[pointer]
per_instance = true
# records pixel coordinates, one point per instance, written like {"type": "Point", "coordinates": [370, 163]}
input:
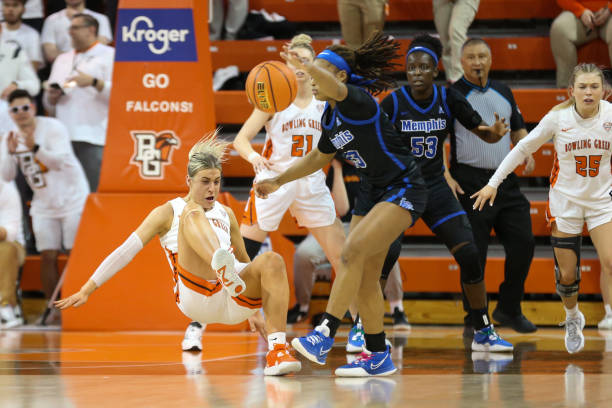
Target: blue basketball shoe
{"type": "Point", "coordinates": [355, 342]}
{"type": "Point", "coordinates": [486, 339]}
{"type": "Point", "coordinates": [314, 346]}
{"type": "Point", "coordinates": [369, 365]}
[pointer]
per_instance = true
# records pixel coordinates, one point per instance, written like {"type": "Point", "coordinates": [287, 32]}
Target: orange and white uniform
{"type": "Point", "coordinates": [203, 300]}
{"type": "Point", "coordinates": [290, 135]}
{"type": "Point", "coordinates": [581, 178]}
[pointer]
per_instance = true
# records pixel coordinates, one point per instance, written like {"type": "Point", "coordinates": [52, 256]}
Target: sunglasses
{"type": "Point", "coordinates": [23, 108]}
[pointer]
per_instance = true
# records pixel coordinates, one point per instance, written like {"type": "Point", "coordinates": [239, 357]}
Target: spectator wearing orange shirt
{"type": "Point", "coordinates": [580, 22]}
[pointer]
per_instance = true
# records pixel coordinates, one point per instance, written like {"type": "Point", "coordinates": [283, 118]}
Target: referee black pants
{"type": "Point", "coordinates": [510, 219]}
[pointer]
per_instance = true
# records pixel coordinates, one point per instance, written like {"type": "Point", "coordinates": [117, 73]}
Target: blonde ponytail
{"type": "Point", "coordinates": [207, 153]}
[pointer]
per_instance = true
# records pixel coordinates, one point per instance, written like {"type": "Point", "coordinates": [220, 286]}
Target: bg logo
{"type": "Point", "coordinates": [153, 151]}
{"type": "Point", "coordinates": [156, 35]}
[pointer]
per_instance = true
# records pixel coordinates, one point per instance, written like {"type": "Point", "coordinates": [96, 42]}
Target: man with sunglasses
{"type": "Point", "coordinates": [15, 72]}
{"type": "Point", "coordinates": [41, 148]}
{"type": "Point", "coordinates": [78, 93]}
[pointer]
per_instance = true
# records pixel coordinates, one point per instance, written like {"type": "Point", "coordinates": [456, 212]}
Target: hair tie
{"type": "Point", "coordinates": [336, 60]}
{"type": "Point", "coordinates": [425, 50]}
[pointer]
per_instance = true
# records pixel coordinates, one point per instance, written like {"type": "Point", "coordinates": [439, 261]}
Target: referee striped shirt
{"type": "Point", "coordinates": [495, 97]}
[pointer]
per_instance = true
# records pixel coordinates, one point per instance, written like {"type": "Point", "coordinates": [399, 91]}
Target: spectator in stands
{"type": "Point", "coordinates": [452, 19]}
{"type": "Point", "coordinates": [309, 260]}
{"type": "Point", "coordinates": [12, 253]}
{"type": "Point", "coordinates": [82, 78]}
{"type": "Point", "coordinates": [33, 14]}
{"type": "Point", "coordinates": [582, 21]}
{"type": "Point", "coordinates": [41, 148]}
{"type": "Point", "coordinates": [56, 35]}
{"type": "Point", "coordinates": [474, 161]}
{"type": "Point", "coordinates": [237, 11]}
{"type": "Point", "coordinates": [359, 19]}
{"type": "Point", "coordinates": [15, 72]}
{"type": "Point", "coordinates": [13, 30]}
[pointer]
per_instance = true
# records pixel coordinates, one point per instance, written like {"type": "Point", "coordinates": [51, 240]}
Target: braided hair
{"type": "Point", "coordinates": [427, 41]}
{"type": "Point", "coordinates": [372, 61]}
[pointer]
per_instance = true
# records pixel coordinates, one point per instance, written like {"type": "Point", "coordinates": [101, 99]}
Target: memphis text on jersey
{"type": "Point", "coordinates": [587, 144]}
{"type": "Point", "coordinates": [426, 126]}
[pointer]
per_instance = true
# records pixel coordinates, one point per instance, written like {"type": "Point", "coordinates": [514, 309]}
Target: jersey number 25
{"type": "Point", "coordinates": [592, 170]}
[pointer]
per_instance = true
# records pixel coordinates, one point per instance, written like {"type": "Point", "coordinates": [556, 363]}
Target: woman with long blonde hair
{"type": "Point", "coordinates": [211, 285]}
{"type": "Point", "coordinates": [580, 186]}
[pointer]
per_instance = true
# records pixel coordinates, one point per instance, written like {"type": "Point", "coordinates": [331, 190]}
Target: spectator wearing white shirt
{"type": "Point", "coordinates": [23, 35]}
{"type": "Point", "coordinates": [41, 148]}
{"type": "Point", "coordinates": [55, 33]}
{"type": "Point", "coordinates": [79, 91]}
{"type": "Point", "coordinates": [15, 72]}
{"type": "Point", "coordinates": [12, 253]}
{"type": "Point", "coordinates": [34, 13]}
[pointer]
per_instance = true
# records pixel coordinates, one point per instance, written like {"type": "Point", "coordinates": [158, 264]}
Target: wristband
{"type": "Point", "coordinates": [252, 156]}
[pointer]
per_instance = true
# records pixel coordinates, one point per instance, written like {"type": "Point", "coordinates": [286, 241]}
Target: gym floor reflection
{"type": "Point", "coordinates": [436, 369]}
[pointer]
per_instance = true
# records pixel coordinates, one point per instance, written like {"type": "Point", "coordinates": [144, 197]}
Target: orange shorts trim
{"type": "Point", "coordinates": [206, 288]}
{"type": "Point", "coordinates": [197, 284]}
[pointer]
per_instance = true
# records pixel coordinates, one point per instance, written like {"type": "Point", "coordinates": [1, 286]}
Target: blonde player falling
{"type": "Point", "coordinates": [580, 186]}
{"type": "Point", "coordinates": [213, 286]}
{"type": "Point", "coordinates": [290, 135]}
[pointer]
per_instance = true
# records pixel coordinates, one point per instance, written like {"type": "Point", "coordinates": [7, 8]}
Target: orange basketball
{"type": "Point", "coordinates": [271, 86]}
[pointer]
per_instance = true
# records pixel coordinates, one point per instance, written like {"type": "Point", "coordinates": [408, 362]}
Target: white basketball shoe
{"type": "Point", "coordinates": [223, 265]}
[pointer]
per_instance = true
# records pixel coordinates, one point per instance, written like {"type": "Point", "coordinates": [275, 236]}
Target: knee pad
{"type": "Point", "coordinates": [469, 263]}
{"type": "Point", "coordinates": [392, 256]}
{"type": "Point", "coordinates": [573, 243]}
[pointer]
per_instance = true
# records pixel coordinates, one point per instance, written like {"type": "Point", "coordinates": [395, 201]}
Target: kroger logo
{"type": "Point", "coordinates": [156, 35]}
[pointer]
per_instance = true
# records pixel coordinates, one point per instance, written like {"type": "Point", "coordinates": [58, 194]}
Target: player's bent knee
{"type": "Point", "coordinates": [271, 261]}
{"type": "Point", "coordinates": [469, 264]}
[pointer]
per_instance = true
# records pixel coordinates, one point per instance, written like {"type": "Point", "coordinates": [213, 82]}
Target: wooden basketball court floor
{"type": "Point", "coordinates": [148, 369]}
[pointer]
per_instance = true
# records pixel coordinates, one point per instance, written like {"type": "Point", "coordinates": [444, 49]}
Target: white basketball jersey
{"type": "Point", "coordinates": [583, 150]}
{"type": "Point", "coordinates": [292, 133]}
{"type": "Point", "coordinates": [169, 241]}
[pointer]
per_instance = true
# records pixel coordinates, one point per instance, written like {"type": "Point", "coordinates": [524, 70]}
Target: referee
{"type": "Point", "coordinates": [473, 162]}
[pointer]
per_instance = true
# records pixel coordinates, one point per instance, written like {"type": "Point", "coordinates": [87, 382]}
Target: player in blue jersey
{"type": "Point", "coordinates": [392, 197]}
{"type": "Point", "coordinates": [423, 113]}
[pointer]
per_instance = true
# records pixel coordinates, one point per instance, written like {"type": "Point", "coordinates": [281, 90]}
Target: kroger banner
{"type": "Point", "coordinates": [156, 35]}
{"type": "Point", "coordinates": [161, 95]}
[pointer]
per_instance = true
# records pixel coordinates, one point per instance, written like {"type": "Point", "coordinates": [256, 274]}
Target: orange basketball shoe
{"type": "Point", "coordinates": [280, 361]}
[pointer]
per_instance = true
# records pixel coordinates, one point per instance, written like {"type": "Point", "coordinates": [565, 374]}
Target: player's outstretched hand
{"type": "Point", "coordinates": [292, 57]}
{"type": "Point", "coordinates": [498, 129]}
{"type": "Point", "coordinates": [257, 324]}
{"type": "Point", "coordinates": [487, 193]}
{"type": "Point", "coordinates": [76, 300]}
{"type": "Point", "coordinates": [265, 187]}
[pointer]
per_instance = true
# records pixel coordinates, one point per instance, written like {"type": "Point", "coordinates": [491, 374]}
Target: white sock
{"type": "Point", "coordinates": [608, 310]}
{"type": "Point", "coordinates": [396, 303]}
{"type": "Point", "coordinates": [304, 308]}
{"type": "Point", "coordinates": [324, 330]}
{"type": "Point", "coordinates": [571, 313]}
{"type": "Point", "coordinates": [276, 338]}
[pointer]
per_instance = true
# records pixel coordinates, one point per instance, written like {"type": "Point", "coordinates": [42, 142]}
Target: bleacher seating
{"type": "Point", "coordinates": [409, 10]}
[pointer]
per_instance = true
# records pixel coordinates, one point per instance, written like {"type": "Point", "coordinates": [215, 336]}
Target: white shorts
{"type": "Point", "coordinates": [207, 302]}
{"type": "Point", "coordinates": [308, 199]}
{"type": "Point", "coordinates": [570, 216]}
{"type": "Point", "coordinates": [54, 233]}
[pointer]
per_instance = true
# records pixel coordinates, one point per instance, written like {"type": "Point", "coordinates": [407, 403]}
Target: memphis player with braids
{"type": "Point", "coordinates": [580, 186]}
{"type": "Point", "coordinates": [423, 113]}
{"type": "Point", "coordinates": [391, 198]}
{"type": "Point", "coordinates": [211, 284]}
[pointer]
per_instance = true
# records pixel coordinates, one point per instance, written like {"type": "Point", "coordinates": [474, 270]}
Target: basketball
{"type": "Point", "coordinates": [271, 86]}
